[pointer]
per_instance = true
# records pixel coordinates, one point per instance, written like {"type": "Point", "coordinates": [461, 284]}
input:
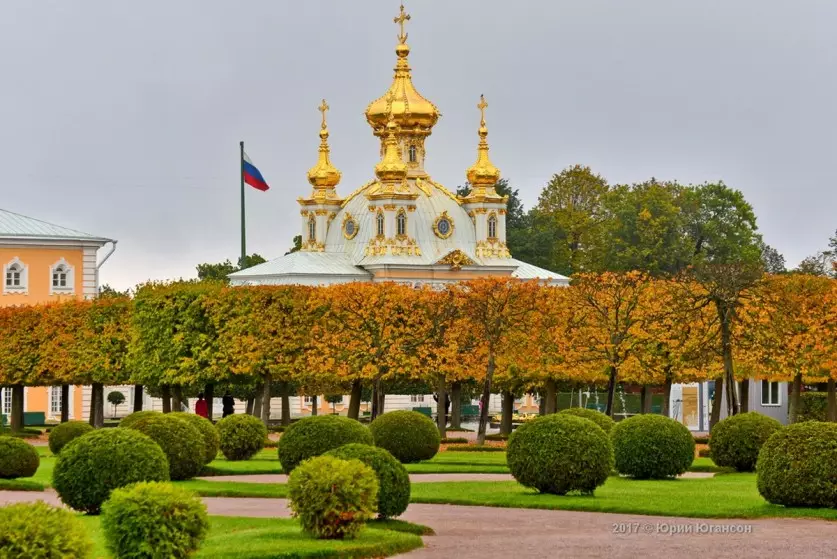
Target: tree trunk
{"type": "Point", "coordinates": [286, 403]}
{"type": "Point", "coordinates": [725, 315]}
{"type": "Point", "coordinates": [314, 410]}
{"type": "Point", "coordinates": [456, 405]}
{"type": "Point", "coordinates": [744, 393]}
{"type": "Point", "coordinates": [508, 411]}
{"type": "Point", "coordinates": [611, 391]}
{"type": "Point", "coordinates": [209, 395]}
{"type": "Point", "coordinates": [65, 403]}
{"type": "Point", "coordinates": [251, 403]}
{"type": "Point", "coordinates": [667, 393]}
{"type": "Point", "coordinates": [178, 403]}
{"type": "Point", "coordinates": [16, 420]}
{"type": "Point", "coordinates": [542, 405]}
{"type": "Point", "coordinates": [166, 394]}
{"type": "Point", "coordinates": [265, 417]}
{"type": "Point", "coordinates": [441, 408]}
{"type": "Point", "coordinates": [138, 394]}
{"type": "Point", "coordinates": [551, 405]}
{"type": "Point", "coordinates": [354, 400]}
{"type": "Point", "coordinates": [796, 389]}
{"type": "Point", "coordinates": [257, 401]}
{"type": "Point", "coordinates": [382, 399]}
{"type": "Point", "coordinates": [715, 417]}
{"type": "Point", "coordinates": [97, 404]}
{"type": "Point", "coordinates": [486, 396]}
{"type": "Point", "coordinates": [645, 399]}
{"type": "Point", "coordinates": [831, 410]}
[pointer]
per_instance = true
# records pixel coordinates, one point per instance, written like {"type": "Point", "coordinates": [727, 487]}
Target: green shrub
{"type": "Point", "coordinates": [209, 434]}
{"type": "Point", "coordinates": [181, 442]}
{"type": "Point", "coordinates": [652, 447]}
{"type": "Point", "coordinates": [312, 436]}
{"type": "Point", "coordinates": [813, 406]}
{"type": "Point", "coordinates": [393, 479]}
{"type": "Point", "coordinates": [408, 435]}
{"type": "Point", "coordinates": [502, 437]}
{"type": "Point", "coordinates": [93, 465]}
{"type": "Point", "coordinates": [797, 465]}
{"type": "Point", "coordinates": [333, 498]}
{"type": "Point", "coordinates": [602, 420]}
{"type": "Point", "coordinates": [476, 448]}
{"type": "Point", "coordinates": [454, 440]}
{"type": "Point", "coordinates": [17, 458]}
{"type": "Point", "coordinates": [736, 441]}
{"type": "Point", "coordinates": [39, 530]}
{"type": "Point", "coordinates": [705, 453]}
{"type": "Point", "coordinates": [150, 520]}
{"type": "Point", "coordinates": [701, 439]}
{"type": "Point", "coordinates": [242, 436]}
{"type": "Point", "coordinates": [63, 433]}
{"type": "Point", "coordinates": [129, 420]}
{"type": "Point", "coordinates": [560, 453]}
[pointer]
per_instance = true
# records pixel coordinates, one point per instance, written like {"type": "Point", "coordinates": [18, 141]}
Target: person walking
{"type": "Point", "coordinates": [228, 404]}
{"type": "Point", "coordinates": [201, 407]}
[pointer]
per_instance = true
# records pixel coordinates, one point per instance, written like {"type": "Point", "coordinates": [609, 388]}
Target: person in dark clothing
{"type": "Point", "coordinates": [228, 404]}
{"type": "Point", "coordinates": [447, 405]}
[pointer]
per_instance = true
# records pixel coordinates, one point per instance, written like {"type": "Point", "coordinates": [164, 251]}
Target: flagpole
{"type": "Point", "coordinates": [243, 227]}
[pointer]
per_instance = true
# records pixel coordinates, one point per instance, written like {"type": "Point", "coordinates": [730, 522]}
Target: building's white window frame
{"type": "Point", "coordinates": [308, 400]}
{"type": "Point", "coordinates": [401, 223]}
{"type": "Point", "coordinates": [62, 267]}
{"type": "Point", "coordinates": [412, 154]}
{"type": "Point", "coordinates": [55, 411]}
{"type": "Point", "coordinates": [417, 398]}
{"type": "Point", "coordinates": [767, 393]}
{"type": "Point", "coordinates": [20, 268]}
{"type": "Point", "coordinates": [6, 400]}
{"type": "Point", "coordinates": [380, 225]}
{"type": "Point", "coordinates": [492, 226]}
{"type": "Point", "coordinates": [312, 229]}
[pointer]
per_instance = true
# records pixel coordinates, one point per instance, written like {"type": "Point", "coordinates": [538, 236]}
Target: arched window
{"type": "Point", "coordinates": [14, 276]}
{"type": "Point", "coordinates": [492, 226]}
{"type": "Point", "coordinates": [401, 223]}
{"type": "Point", "coordinates": [412, 154]}
{"type": "Point", "coordinates": [379, 220]}
{"type": "Point", "coordinates": [59, 276]}
{"type": "Point", "coordinates": [312, 229]}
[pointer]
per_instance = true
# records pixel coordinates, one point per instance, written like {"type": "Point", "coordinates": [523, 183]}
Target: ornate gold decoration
{"type": "Point", "coordinates": [483, 175]}
{"type": "Point", "coordinates": [320, 212]}
{"type": "Point", "coordinates": [312, 246]}
{"type": "Point", "coordinates": [456, 259]}
{"type": "Point", "coordinates": [492, 249]}
{"type": "Point", "coordinates": [346, 219]}
{"type": "Point", "coordinates": [420, 184]}
{"type": "Point", "coordinates": [402, 17]}
{"type": "Point", "coordinates": [358, 191]}
{"type": "Point", "coordinates": [440, 217]}
{"type": "Point", "coordinates": [390, 207]}
{"type": "Point", "coordinates": [379, 246]}
{"type": "Point", "coordinates": [323, 176]}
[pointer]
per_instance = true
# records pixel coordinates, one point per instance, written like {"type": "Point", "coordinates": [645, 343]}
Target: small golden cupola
{"type": "Point", "coordinates": [482, 175]}
{"type": "Point", "coordinates": [391, 170]}
{"type": "Point", "coordinates": [324, 176]}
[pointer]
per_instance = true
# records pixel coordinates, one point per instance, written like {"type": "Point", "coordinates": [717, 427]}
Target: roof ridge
{"type": "Point", "coordinates": [68, 230]}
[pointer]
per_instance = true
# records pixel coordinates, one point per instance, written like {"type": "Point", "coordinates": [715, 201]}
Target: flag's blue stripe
{"type": "Point", "coordinates": [250, 169]}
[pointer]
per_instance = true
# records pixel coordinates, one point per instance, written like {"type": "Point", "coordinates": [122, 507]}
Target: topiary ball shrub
{"type": "Point", "coordinates": [151, 519]}
{"type": "Point", "coordinates": [209, 434]}
{"type": "Point", "coordinates": [17, 458]}
{"type": "Point", "coordinates": [63, 433]}
{"type": "Point", "coordinates": [736, 441]}
{"type": "Point", "coordinates": [560, 453]}
{"type": "Point", "coordinates": [312, 436]}
{"type": "Point", "coordinates": [797, 465]}
{"type": "Point", "coordinates": [408, 435]}
{"type": "Point", "coordinates": [393, 479]}
{"type": "Point", "coordinates": [652, 447]}
{"type": "Point", "coordinates": [40, 530]}
{"type": "Point", "coordinates": [602, 420]}
{"type": "Point", "coordinates": [181, 442]}
{"type": "Point", "coordinates": [93, 465]}
{"type": "Point", "coordinates": [242, 436]}
{"type": "Point", "coordinates": [333, 498]}
{"type": "Point", "coordinates": [129, 420]}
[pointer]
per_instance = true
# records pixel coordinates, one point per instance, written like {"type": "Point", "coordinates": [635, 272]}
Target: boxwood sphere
{"type": "Point", "coordinates": [242, 436]}
{"type": "Point", "coordinates": [129, 420]}
{"type": "Point", "coordinates": [560, 453]}
{"type": "Point", "coordinates": [209, 434]}
{"type": "Point", "coordinates": [393, 479]}
{"type": "Point", "coordinates": [797, 465]}
{"type": "Point", "coordinates": [17, 458]}
{"type": "Point", "coordinates": [736, 441]}
{"type": "Point", "coordinates": [63, 433]}
{"type": "Point", "coordinates": [93, 465]}
{"type": "Point", "coordinates": [40, 530]}
{"type": "Point", "coordinates": [408, 435]}
{"type": "Point", "coordinates": [602, 420]}
{"type": "Point", "coordinates": [181, 442]}
{"type": "Point", "coordinates": [312, 436]}
{"type": "Point", "coordinates": [652, 447]}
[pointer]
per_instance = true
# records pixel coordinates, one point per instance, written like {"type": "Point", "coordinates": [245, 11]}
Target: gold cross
{"type": "Point", "coordinates": [402, 17]}
{"type": "Point", "coordinates": [482, 105]}
{"type": "Point", "coordinates": [323, 108]}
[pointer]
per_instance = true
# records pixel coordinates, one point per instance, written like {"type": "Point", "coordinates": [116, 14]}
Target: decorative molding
{"type": "Point", "coordinates": [492, 248]}
{"type": "Point", "coordinates": [23, 288]}
{"type": "Point", "coordinates": [400, 246]}
{"type": "Point", "coordinates": [346, 219]}
{"type": "Point", "coordinates": [70, 279]}
{"type": "Point", "coordinates": [443, 216]}
{"type": "Point", "coordinates": [456, 259]}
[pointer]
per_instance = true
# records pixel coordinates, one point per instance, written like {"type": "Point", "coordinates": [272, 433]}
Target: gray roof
{"type": "Point", "coordinates": [305, 264]}
{"type": "Point", "coordinates": [528, 271]}
{"type": "Point", "coordinates": [13, 225]}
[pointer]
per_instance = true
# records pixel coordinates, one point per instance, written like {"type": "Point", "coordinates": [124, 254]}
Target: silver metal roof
{"type": "Point", "coordinates": [13, 225]}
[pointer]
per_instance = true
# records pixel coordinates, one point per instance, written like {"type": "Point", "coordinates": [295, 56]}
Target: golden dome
{"type": "Point", "coordinates": [412, 112]}
{"type": "Point", "coordinates": [391, 168]}
{"type": "Point", "coordinates": [483, 175]}
{"type": "Point", "coordinates": [323, 175]}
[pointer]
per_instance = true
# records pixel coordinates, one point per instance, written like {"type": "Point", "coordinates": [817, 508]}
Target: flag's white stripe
{"type": "Point", "coordinates": [247, 159]}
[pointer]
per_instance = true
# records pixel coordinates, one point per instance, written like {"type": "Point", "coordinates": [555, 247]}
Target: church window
{"type": "Point", "coordinates": [492, 226]}
{"type": "Point", "coordinates": [379, 221]}
{"type": "Point", "coordinates": [443, 226]}
{"type": "Point", "coordinates": [312, 229]}
{"type": "Point", "coordinates": [401, 223]}
{"type": "Point", "coordinates": [350, 228]}
{"type": "Point", "coordinates": [412, 154]}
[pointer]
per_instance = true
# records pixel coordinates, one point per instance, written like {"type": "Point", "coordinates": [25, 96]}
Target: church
{"type": "Point", "coordinates": [402, 225]}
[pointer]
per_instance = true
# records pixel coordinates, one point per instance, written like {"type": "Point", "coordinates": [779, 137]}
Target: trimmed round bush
{"type": "Point", "coordinates": [130, 419]}
{"type": "Point", "coordinates": [312, 436]}
{"type": "Point", "coordinates": [211, 439]}
{"type": "Point", "coordinates": [652, 447]}
{"type": "Point", "coordinates": [560, 453]}
{"type": "Point", "coordinates": [151, 519]}
{"type": "Point", "coordinates": [93, 465]}
{"type": "Point", "coordinates": [242, 436]}
{"type": "Point", "coordinates": [17, 458]}
{"type": "Point", "coordinates": [63, 433]}
{"type": "Point", "coordinates": [408, 435]}
{"type": "Point", "coordinates": [181, 442]}
{"type": "Point", "coordinates": [602, 420]}
{"type": "Point", "coordinates": [797, 465]}
{"type": "Point", "coordinates": [393, 479]}
{"type": "Point", "coordinates": [736, 441]}
{"type": "Point", "coordinates": [333, 498]}
{"type": "Point", "coordinates": [41, 530]}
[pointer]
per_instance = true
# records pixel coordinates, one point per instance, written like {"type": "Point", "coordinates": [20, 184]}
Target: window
{"type": "Point", "coordinates": [312, 229]}
{"type": "Point", "coordinates": [6, 397]}
{"type": "Point", "coordinates": [770, 395]}
{"type": "Point", "coordinates": [15, 277]}
{"type": "Point", "coordinates": [401, 223]}
{"type": "Point", "coordinates": [308, 400]}
{"type": "Point", "coordinates": [55, 400]}
{"type": "Point", "coordinates": [492, 226]}
{"type": "Point", "coordinates": [412, 154]}
{"type": "Point", "coordinates": [59, 277]}
{"type": "Point", "coordinates": [416, 398]}
{"type": "Point", "coordinates": [380, 223]}
{"type": "Point", "coordinates": [349, 228]}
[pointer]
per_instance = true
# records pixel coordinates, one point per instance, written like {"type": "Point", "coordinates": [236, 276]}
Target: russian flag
{"type": "Point", "coordinates": [252, 176]}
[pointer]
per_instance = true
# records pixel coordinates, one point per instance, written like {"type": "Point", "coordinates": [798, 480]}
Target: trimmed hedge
{"type": "Point", "coordinates": [151, 519]}
{"type": "Point", "coordinates": [93, 465]}
{"type": "Point", "coordinates": [560, 453]}
{"type": "Point", "coordinates": [242, 436]}
{"type": "Point", "coordinates": [393, 479]}
{"type": "Point", "coordinates": [209, 434]}
{"type": "Point", "coordinates": [333, 498]}
{"type": "Point", "coordinates": [41, 530]}
{"type": "Point", "coordinates": [312, 436]}
{"type": "Point", "coordinates": [813, 406]}
{"type": "Point", "coordinates": [476, 448]}
{"type": "Point", "coordinates": [736, 441]}
{"type": "Point", "coordinates": [17, 458]}
{"type": "Point", "coordinates": [652, 447]}
{"type": "Point", "coordinates": [797, 465]}
{"type": "Point", "coordinates": [181, 442]}
{"type": "Point", "coordinates": [408, 435]}
{"type": "Point", "coordinates": [454, 440]}
{"type": "Point", "coordinates": [63, 433]}
{"type": "Point", "coordinates": [130, 419]}
{"type": "Point", "coordinates": [602, 420]}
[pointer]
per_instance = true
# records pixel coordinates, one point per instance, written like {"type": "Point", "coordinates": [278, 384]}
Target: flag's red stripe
{"type": "Point", "coordinates": [256, 182]}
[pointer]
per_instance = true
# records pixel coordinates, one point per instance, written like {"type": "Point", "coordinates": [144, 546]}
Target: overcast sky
{"type": "Point", "coordinates": [123, 119]}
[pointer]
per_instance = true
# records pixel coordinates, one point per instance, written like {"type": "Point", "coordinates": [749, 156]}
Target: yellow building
{"type": "Point", "coordinates": [41, 263]}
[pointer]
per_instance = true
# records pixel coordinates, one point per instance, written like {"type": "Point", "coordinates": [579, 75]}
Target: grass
{"type": "Point", "coordinates": [20, 485]}
{"type": "Point", "coordinates": [277, 538]}
{"type": "Point", "coordinates": [235, 489]}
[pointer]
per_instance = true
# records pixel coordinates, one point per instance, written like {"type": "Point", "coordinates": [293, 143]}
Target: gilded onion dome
{"type": "Point", "coordinates": [412, 112]}
{"type": "Point", "coordinates": [324, 176]}
{"type": "Point", "coordinates": [483, 175]}
{"type": "Point", "coordinates": [391, 168]}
